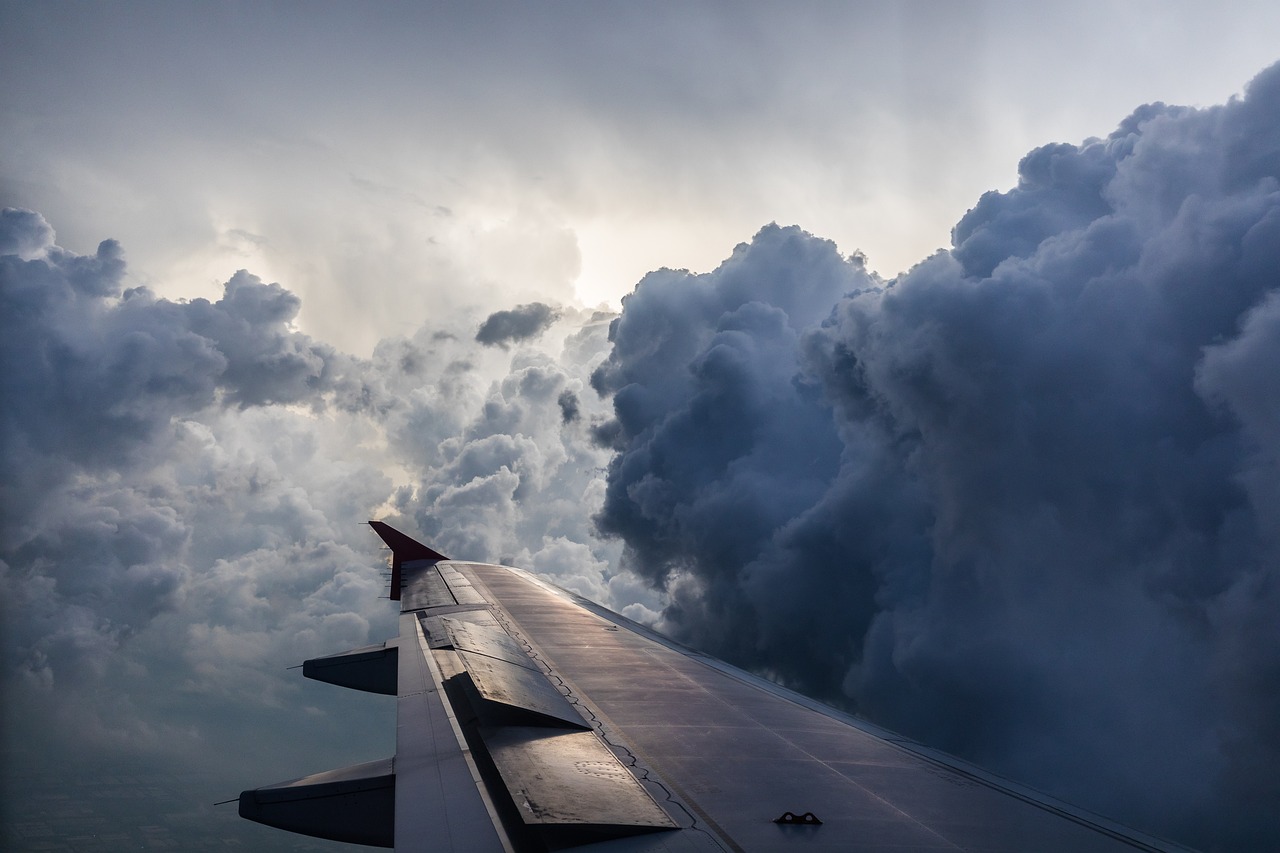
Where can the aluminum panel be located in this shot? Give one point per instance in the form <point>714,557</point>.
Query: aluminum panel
<point>563,778</point>
<point>459,586</point>
<point>489,640</point>
<point>422,587</point>
<point>522,695</point>
<point>438,636</point>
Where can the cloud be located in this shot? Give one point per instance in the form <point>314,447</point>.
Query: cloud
<point>182,488</point>
<point>24,233</point>
<point>720,444</point>
<point>516,473</point>
<point>1019,502</point>
<point>171,534</point>
<point>502,328</point>
<point>165,469</point>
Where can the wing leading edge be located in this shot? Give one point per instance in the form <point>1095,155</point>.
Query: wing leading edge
<point>529,718</point>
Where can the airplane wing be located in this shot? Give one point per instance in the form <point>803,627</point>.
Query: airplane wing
<point>531,719</point>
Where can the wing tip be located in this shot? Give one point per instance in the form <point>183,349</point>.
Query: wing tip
<point>404,547</point>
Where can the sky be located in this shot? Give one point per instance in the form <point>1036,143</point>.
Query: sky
<point>917,355</point>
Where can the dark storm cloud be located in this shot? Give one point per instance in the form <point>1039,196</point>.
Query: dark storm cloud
<point>570,409</point>
<point>502,328</point>
<point>91,371</point>
<point>24,233</point>
<point>1020,502</point>
<point>724,444</point>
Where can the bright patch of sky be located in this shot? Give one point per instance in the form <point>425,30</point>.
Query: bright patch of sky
<point>393,161</point>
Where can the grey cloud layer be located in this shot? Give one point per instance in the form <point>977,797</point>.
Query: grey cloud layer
<point>1019,502</point>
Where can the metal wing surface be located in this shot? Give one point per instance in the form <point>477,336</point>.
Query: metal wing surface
<point>529,718</point>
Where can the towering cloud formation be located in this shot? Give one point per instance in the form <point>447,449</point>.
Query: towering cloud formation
<point>1020,502</point>
<point>722,439</point>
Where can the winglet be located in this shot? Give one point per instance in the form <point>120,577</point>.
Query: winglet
<point>403,548</point>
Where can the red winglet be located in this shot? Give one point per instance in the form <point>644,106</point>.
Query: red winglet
<point>402,548</point>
